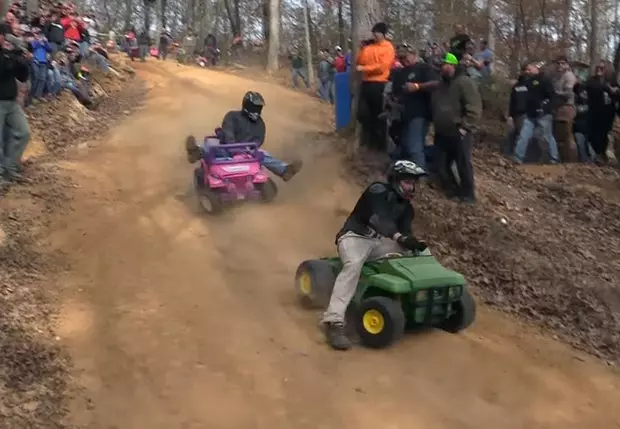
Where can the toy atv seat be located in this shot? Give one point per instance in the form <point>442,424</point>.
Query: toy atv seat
<point>393,293</point>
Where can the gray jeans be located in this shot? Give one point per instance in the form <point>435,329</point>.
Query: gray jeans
<point>354,250</point>
<point>15,135</point>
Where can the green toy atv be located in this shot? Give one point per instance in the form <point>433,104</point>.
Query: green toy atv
<point>394,293</point>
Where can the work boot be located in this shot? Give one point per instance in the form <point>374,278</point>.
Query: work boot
<point>336,336</point>
<point>291,170</point>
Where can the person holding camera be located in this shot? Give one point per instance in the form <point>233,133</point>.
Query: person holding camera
<point>14,129</point>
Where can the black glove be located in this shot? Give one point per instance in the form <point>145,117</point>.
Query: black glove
<point>411,243</point>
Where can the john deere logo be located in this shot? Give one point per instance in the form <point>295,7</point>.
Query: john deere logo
<point>436,294</point>
<point>411,76</point>
<point>535,83</point>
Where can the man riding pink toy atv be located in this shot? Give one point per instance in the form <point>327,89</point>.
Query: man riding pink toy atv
<point>232,165</point>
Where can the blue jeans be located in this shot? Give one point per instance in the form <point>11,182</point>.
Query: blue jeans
<point>583,147</point>
<point>325,90</point>
<point>272,164</point>
<point>84,49</point>
<point>143,50</point>
<point>39,77</point>
<point>527,132</point>
<point>100,61</point>
<point>412,144</point>
<point>54,81</point>
<point>299,73</point>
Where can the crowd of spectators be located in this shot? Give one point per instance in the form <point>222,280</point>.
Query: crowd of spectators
<point>42,52</point>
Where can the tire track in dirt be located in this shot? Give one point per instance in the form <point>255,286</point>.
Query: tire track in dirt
<point>177,320</point>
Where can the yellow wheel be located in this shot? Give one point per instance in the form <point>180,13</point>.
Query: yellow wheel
<point>380,321</point>
<point>373,321</point>
<point>314,282</point>
<point>305,283</point>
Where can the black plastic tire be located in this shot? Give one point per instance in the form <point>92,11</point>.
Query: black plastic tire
<point>268,191</point>
<point>464,315</point>
<point>315,290</point>
<point>391,326</point>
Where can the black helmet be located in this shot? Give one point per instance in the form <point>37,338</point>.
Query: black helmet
<point>404,170</point>
<point>252,105</point>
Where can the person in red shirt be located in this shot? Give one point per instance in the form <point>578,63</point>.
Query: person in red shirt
<point>340,62</point>
<point>73,28</point>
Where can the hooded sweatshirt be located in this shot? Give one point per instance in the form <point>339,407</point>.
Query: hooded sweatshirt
<point>376,60</point>
<point>456,103</point>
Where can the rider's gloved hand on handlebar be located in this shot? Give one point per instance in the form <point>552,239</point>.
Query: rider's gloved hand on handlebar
<point>409,242</point>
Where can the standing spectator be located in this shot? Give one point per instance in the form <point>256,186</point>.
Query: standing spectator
<point>517,109</point>
<point>348,56</point>
<point>189,45</point>
<point>539,94</point>
<point>73,28</point>
<point>340,62</point>
<point>601,91</point>
<point>580,124</point>
<point>563,108</point>
<point>236,46</point>
<point>14,130</point>
<point>325,76</point>
<point>484,58</point>
<point>459,42</point>
<point>40,48</point>
<point>298,68</point>
<point>374,62</point>
<point>456,110</point>
<point>164,42</point>
<point>143,45</point>
<point>435,59</point>
<point>417,80</point>
<point>55,33</point>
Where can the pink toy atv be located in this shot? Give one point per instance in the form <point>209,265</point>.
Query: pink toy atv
<point>228,174</point>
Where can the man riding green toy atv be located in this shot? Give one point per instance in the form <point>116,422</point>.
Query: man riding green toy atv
<point>388,275</point>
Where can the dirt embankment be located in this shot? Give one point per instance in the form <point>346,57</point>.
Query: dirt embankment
<point>34,377</point>
<point>542,243</point>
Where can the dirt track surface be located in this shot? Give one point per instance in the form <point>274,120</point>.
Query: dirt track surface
<point>175,320</point>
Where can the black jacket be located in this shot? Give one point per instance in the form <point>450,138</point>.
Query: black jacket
<point>518,98</point>
<point>539,93</point>
<point>580,123</point>
<point>380,211</point>
<point>13,66</point>
<point>54,32</point>
<point>238,128</point>
<point>600,99</point>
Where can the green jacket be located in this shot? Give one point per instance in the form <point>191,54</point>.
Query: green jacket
<point>455,104</point>
<point>297,61</point>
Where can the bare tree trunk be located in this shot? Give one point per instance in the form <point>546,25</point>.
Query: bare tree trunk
<point>593,54</point>
<point>364,15</point>
<point>341,37</point>
<point>265,7</point>
<point>146,4</point>
<point>128,13</point>
<point>491,29</point>
<point>159,17</point>
<point>274,36</point>
<point>308,54</point>
<point>565,41</point>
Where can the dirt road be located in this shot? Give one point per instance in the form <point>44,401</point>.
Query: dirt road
<point>175,320</point>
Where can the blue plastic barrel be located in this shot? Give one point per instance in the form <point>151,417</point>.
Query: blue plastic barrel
<point>342,95</point>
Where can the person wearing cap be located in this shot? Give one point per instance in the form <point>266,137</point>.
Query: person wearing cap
<point>538,114</point>
<point>459,42</point>
<point>13,124</point>
<point>563,108</point>
<point>340,62</point>
<point>374,62</point>
<point>517,108</point>
<point>456,108</point>
<point>414,82</point>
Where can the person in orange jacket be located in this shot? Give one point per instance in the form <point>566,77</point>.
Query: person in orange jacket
<point>374,62</point>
